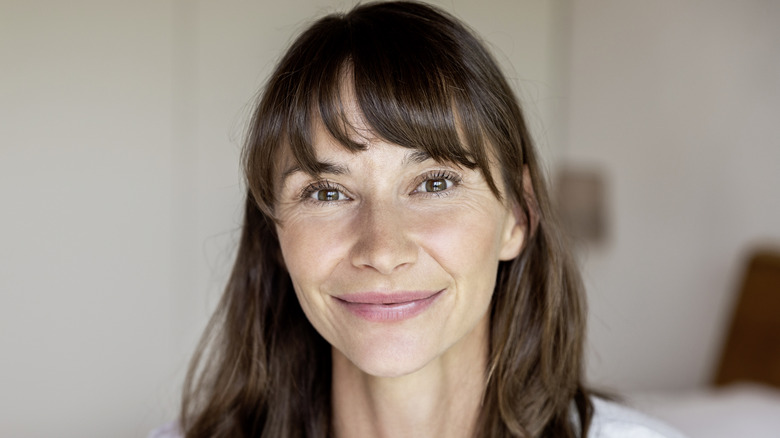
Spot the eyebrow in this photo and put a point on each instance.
(415, 156)
(334, 169)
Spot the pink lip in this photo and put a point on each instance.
(388, 307)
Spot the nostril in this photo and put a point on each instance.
(383, 244)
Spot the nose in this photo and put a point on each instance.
(383, 239)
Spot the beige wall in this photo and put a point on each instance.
(120, 129)
(677, 102)
(85, 190)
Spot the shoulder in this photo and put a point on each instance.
(613, 420)
(170, 430)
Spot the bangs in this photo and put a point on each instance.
(408, 88)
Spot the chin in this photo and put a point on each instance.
(390, 369)
(389, 361)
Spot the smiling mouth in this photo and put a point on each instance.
(383, 307)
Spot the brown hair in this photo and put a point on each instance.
(422, 80)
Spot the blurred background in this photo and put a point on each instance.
(120, 131)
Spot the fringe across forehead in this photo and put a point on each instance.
(404, 89)
(356, 107)
(416, 81)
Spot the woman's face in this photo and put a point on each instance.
(393, 256)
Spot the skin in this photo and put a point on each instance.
(397, 221)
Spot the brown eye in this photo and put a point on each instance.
(435, 185)
(327, 195)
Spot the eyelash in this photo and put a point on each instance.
(314, 187)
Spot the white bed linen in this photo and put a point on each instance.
(735, 411)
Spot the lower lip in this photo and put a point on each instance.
(389, 312)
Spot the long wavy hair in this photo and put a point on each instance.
(422, 80)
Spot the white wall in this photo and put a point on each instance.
(677, 102)
(120, 130)
(85, 259)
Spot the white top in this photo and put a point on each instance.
(170, 430)
(610, 420)
(737, 410)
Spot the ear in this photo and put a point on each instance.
(513, 234)
(519, 225)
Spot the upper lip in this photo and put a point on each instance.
(387, 297)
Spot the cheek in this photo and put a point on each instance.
(310, 249)
(311, 252)
(464, 240)
(467, 248)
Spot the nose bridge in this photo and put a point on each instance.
(384, 241)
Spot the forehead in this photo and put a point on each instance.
(349, 122)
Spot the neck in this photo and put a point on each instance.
(441, 399)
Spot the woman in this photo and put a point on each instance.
(399, 271)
